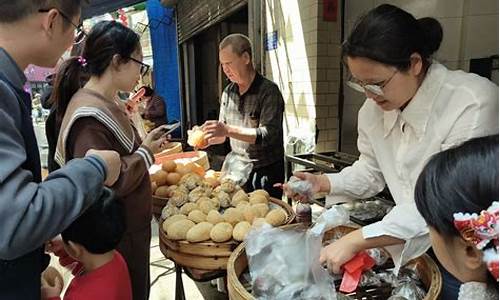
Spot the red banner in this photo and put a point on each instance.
(330, 10)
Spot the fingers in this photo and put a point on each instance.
(58, 283)
(301, 175)
(112, 162)
(158, 131)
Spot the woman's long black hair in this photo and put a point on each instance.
(106, 39)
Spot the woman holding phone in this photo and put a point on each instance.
(91, 117)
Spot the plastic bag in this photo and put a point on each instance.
(300, 141)
(301, 187)
(408, 290)
(378, 255)
(237, 167)
(284, 264)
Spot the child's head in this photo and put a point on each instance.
(98, 230)
(112, 53)
(460, 180)
(51, 25)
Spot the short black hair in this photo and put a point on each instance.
(461, 179)
(390, 35)
(101, 227)
(13, 11)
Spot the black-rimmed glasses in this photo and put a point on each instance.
(79, 31)
(144, 67)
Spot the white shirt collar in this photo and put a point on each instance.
(417, 113)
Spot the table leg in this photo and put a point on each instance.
(179, 286)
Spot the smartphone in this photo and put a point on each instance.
(169, 128)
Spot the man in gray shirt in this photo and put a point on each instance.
(251, 115)
(32, 211)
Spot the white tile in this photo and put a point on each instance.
(480, 36)
(480, 7)
(452, 35)
(428, 8)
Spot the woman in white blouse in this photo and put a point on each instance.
(415, 107)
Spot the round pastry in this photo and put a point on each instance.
(276, 217)
(178, 198)
(224, 199)
(221, 232)
(172, 219)
(197, 216)
(260, 209)
(187, 208)
(168, 211)
(214, 217)
(178, 230)
(241, 230)
(239, 196)
(232, 216)
(199, 233)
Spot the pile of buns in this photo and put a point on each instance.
(198, 211)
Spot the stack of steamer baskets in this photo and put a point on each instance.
(240, 289)
(203, 218)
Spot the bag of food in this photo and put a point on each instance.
(284, 263)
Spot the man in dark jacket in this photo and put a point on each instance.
(31, 211)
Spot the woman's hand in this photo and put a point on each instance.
(335, 255)
(319, 183)
(156, 140)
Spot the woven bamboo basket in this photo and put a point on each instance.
(198, 157)
(174, 147)
(207, 255)
(427, 268)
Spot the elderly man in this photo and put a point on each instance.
(251, 115)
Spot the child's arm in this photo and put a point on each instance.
(56, 246)
(51, 291)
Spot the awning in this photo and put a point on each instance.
(100, 7)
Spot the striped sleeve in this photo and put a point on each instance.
(146, 155)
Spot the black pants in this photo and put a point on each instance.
(265, 177)
(20, 278)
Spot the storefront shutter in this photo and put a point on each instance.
(100, 7)
(196, 15)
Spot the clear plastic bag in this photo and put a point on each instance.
(300, 141)
(284, 264)
(301, 187)
(237, 167)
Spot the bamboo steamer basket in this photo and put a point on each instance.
(174, 147)
(238, 263)
(198, 157)
(208, 255)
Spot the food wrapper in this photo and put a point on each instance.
(237, 167)
(284, 264)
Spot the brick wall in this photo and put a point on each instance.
(305, 66)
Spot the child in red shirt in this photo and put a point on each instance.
(87, 248)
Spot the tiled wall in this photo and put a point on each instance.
(305, 66)
(470, 29)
